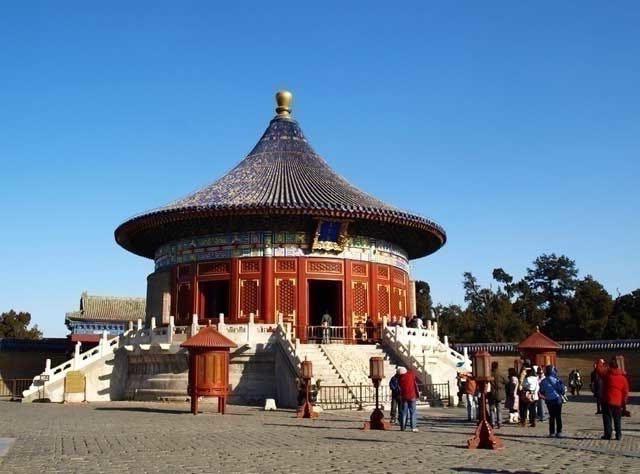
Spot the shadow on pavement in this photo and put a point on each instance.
(369, 440)
(316, 427)
(145, 410)
(493, 471)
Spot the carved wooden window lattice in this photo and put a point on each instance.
(248, 297)
(324, 267)
(398, 304)
(250, 266)
(286, 266)
(383, 300)
(398, 276)
(359, 292)
(213, 268)
(383, 272)
(285, 302)
(359, 269)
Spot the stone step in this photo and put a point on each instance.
(154, 394)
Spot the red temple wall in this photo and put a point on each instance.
(267, 286)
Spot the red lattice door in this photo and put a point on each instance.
(286, 299)
(249, 297)
(360, 302)
(384, 301)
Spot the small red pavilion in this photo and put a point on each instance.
(539, 349)
(208, 366)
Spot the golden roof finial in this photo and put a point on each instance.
(284, 99)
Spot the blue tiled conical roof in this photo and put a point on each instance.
(282, 180)
(281, 170)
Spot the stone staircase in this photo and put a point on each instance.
(334, 392)
(352, 362)
(323, 369)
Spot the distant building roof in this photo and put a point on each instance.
(539, 341)
(108, 308)
(208, 337)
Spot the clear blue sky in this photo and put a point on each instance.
(515, 126)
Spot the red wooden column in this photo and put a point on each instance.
(234, 291)
(373, 292)
(174, 292)
(302, 316)
(194, 291)
(267, 300)
(347, 318)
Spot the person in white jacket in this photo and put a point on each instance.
(529, 397)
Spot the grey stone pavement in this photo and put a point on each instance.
(163, 437)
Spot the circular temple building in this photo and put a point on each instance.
(281, 235)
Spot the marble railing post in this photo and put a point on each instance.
(250, 327)
(194, 325)
(139, 325)
(76, 356)
(435, 329)
(153, 323)
(130, 325)
(384, 321)
(172, 329)
(103, 343)
(47, 366)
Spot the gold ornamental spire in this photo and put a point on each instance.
(284, 99)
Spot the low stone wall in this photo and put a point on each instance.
(24, 359)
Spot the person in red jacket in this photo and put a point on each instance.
(614, 398)
(409, 393)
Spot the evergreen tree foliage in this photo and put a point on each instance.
(16, 325)
(551, 296)
(423, 299)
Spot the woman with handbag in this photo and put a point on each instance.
(528, 398)
(552, 391)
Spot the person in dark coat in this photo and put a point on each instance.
(596, 384)
(370, 327)
(396, 395)
(575, 382)
(614, 398)
(326, 322)
(552, 391)
(496, 395)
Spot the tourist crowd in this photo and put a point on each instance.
(532, 391)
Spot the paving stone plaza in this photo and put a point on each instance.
(164, 437)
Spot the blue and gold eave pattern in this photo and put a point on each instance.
(274, 244)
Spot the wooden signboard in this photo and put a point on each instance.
(74, 382)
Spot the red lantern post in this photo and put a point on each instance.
(484, 437)
(306, 410)
(376, 374)
(208, 367)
